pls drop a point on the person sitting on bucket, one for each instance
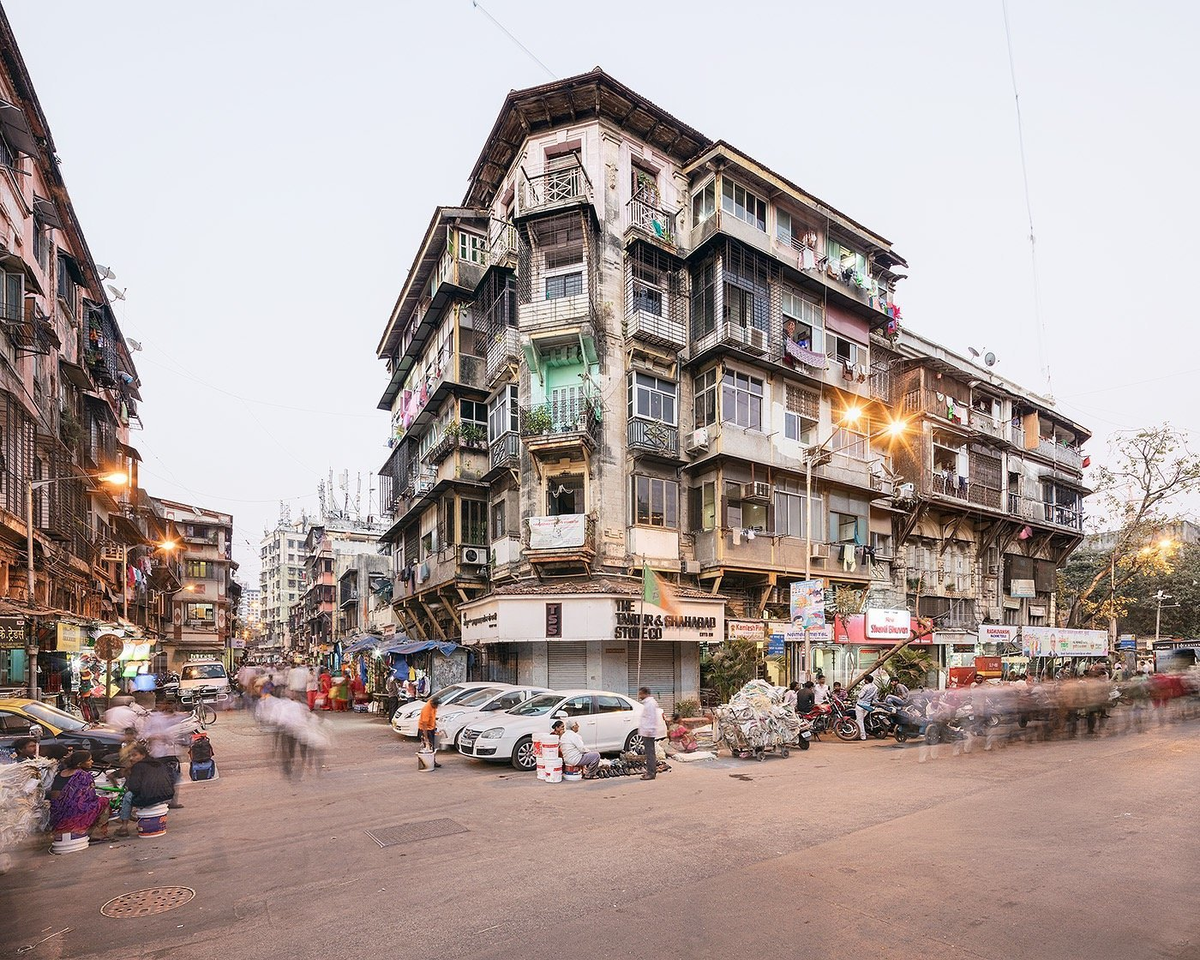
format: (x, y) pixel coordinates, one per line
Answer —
(574, 751)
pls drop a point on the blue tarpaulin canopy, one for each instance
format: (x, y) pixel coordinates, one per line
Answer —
(359, 644)
(404, 647)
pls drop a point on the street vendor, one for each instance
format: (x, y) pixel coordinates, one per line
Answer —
(574, 751)
(680, 735)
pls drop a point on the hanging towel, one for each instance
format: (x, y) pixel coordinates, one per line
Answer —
(807, 260)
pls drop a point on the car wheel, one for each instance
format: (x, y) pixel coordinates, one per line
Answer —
(457, 737)
(523, 756)
(633, 743)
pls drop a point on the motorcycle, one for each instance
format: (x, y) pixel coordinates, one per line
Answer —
(832, 715)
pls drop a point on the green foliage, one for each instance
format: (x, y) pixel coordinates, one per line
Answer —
(688, 708)
(729, 667)
(911, 666)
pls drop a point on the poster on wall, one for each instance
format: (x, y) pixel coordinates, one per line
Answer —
(1061, 642)
(808, 604)
(751, 630)
(549, 533)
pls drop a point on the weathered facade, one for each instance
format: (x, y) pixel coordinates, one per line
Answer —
(685, 361)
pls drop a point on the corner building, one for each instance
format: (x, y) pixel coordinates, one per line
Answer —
(625, 347)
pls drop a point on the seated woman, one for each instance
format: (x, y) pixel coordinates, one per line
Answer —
(75, 806)
(680, 736)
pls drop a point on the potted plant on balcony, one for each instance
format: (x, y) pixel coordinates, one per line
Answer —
(537, 420)
(473, 435)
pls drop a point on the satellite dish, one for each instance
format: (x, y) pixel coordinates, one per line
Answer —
(973, 352)
(106, 273)
(989, 359)
(134, 346)
(114, 292)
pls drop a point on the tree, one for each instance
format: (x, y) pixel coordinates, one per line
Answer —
(1135, 499)
(911, 666)
(730, 667)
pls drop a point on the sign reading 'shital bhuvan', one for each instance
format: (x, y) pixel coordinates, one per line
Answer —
(632, 624)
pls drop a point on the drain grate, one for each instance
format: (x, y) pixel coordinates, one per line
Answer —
(144, 903)
(420, 830)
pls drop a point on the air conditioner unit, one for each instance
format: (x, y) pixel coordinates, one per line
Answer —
(756, 340)
(735, 333)
(820, 551)
(758, 490)
(698, 441)
(473, 556)
(691, 566)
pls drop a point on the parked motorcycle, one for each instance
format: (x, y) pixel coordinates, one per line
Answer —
(833, 715)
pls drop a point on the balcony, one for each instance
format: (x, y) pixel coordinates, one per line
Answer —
(502, 244)
(1037, 511)
(941, 406)
(504, 454)
(653, 328)
(1060, 454)
(566, 184)
(546, 316)
(648, 219)
(457, 436)
(564, 540)
(453, 271)
(964, 489)
(770, 343)
(985, 423)
(652, 437)
(729, 548)
(561, 426)
(503, 355)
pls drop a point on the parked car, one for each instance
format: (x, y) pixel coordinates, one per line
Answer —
(608, 722)
(452, 720)
(203, 673)
(404, 720)
(21, 717)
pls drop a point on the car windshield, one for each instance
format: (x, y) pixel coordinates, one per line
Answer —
(538, 706)
(203, 671)
(477, 697)
(54, 717)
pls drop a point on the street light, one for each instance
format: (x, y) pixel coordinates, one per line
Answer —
(118, 479)
(894, 429)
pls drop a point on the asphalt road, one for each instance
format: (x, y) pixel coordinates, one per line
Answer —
(1082, 848)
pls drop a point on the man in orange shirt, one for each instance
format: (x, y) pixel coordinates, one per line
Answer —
(427, 726)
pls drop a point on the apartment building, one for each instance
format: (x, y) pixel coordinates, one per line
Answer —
(68, 396)
(203, 608)
(282, 581)
(634, 346)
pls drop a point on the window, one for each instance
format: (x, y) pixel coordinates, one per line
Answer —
(498, 520)
(474, 523)
(793, 231)
(743, 515)
(199, 570)
(845, 258)
(851, 444)
(473, 413)
(577, 706)
(704, 202)
(647, 281)
(471, 247)
(743, 204)
(66, 284)
(652, 398)
(801, 414)
(13, 292)
(611, 705)
(741, 400)
(8, 156)
(791, 516)
(708, 506)
(564, 285)
(803, 321)
(655, 502)
(503, 414)
(843, 527)
(704, 300)
(41, 245)
(704, 398)
(842, 350)
(204, 612)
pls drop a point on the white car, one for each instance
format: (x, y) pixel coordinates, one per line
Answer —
(405, 719)
(206, 674)
(608, 722)
(478, 706)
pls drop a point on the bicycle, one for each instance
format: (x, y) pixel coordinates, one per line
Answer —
(199, 701)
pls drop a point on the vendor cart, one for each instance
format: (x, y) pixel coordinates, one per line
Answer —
(756, 723)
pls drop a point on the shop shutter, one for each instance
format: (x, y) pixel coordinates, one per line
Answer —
(658, 672)
(566, 665)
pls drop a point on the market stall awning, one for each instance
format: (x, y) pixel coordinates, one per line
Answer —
(359, 644)
(420, 646)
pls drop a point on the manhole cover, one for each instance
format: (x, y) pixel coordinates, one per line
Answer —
(143, 903)
(420, 830)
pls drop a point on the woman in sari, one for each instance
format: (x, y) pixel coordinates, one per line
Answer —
(75, 806)
(325, 685)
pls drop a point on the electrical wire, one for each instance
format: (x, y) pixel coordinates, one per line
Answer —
(532, 56)
(1037, 297)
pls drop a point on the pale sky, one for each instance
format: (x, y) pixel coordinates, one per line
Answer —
(258, 175)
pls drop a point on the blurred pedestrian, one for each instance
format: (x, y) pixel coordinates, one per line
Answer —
(789, 695)
(648, 729)
(311, 690)
(427, 726)
(806, 698)
(297, 682)
(864, 704)
(392, 689)
(23, 748)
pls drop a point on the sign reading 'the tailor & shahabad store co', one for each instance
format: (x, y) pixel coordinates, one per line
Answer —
(891, 625)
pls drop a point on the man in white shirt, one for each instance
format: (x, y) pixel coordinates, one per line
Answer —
(648, 729)
(297, 681)
(820, 691)
(574, 751)
(864, 705)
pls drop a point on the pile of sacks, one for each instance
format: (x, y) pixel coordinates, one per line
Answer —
(24, 813)
(756, 719)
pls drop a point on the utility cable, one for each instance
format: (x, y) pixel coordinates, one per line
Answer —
(533, 56)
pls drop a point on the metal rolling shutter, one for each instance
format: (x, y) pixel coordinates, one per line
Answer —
(658, 672)
(566, 665)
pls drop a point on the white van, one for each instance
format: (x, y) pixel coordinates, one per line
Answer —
(203, 673)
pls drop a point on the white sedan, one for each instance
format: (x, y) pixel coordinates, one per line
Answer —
(478, 706)
(404, 720)
(608, 722)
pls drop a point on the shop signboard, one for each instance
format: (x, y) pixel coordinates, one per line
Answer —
(69, 637)
(1061, 642)
(751, 630)
(12, 633)
(775, 645)
(1022, 589)
(852, 629)
(389, 631)
(997, 633)
(808, 604)
(1127, 642)
(891, 625)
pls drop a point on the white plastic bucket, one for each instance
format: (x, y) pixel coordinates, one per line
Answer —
(425, 760)
(151, 821)
(549, 746)
(554, 771)
(572, 776)
(69, 842)
(541, 767)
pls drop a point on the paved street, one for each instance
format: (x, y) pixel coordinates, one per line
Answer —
(1064, 849)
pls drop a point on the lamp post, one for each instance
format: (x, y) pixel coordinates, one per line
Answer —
(117, 479)
(1158, 605)
(812, 458)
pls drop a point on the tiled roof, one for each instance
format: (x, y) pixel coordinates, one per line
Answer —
(631, 586)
